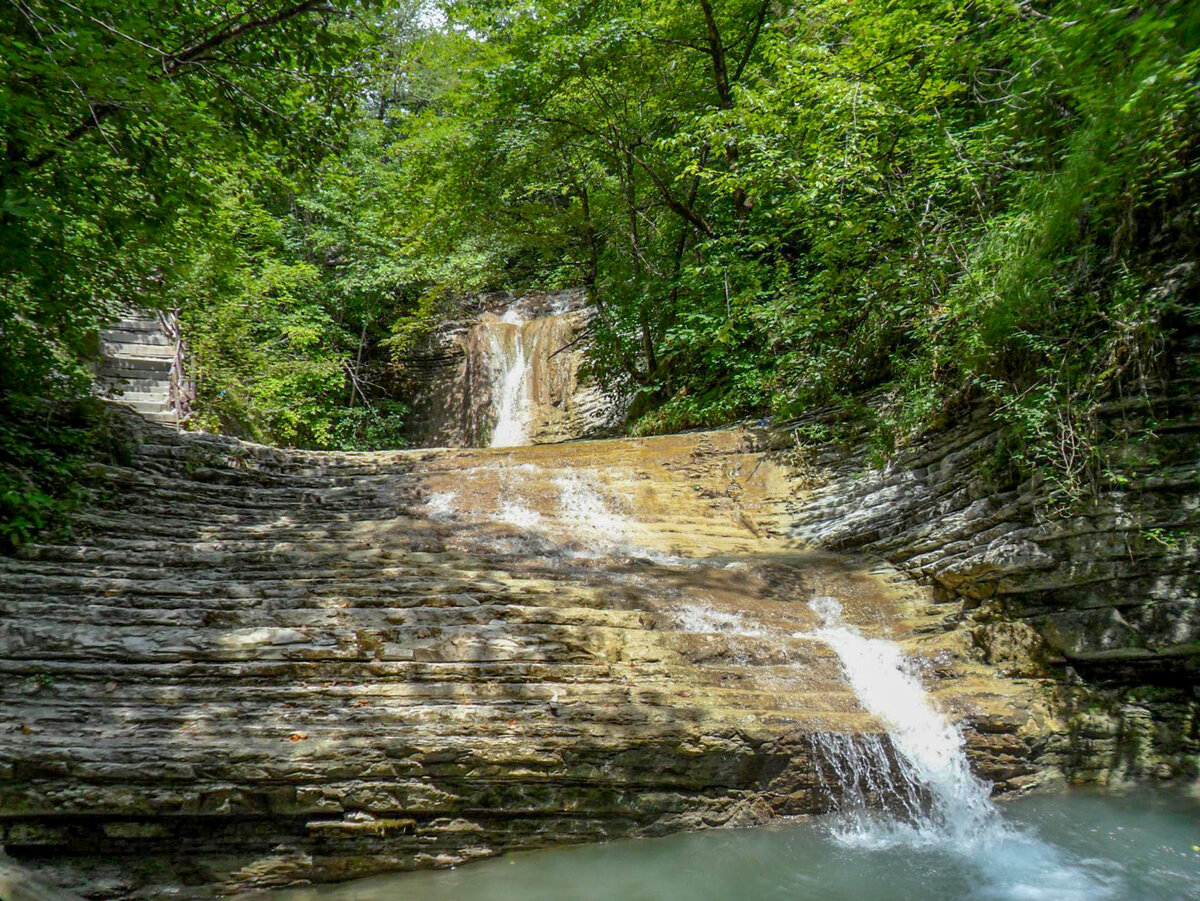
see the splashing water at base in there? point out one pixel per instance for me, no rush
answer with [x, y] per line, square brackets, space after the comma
[923, 774]
[1141, 842]
[930, 749]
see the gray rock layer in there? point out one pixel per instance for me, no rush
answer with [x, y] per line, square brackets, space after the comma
[1108, 588]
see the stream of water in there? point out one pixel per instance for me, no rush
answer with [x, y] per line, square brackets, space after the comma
[910, 821]
[510, 370]
[934, 804]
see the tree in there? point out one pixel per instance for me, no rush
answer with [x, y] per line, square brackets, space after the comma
[113, 116]
[118, 121]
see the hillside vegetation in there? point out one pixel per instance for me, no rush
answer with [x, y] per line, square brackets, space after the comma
[772, 206]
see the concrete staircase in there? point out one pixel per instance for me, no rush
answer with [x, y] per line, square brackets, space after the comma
[137, 354]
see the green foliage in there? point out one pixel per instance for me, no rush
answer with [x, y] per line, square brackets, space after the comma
[291, 310]
[775, 207]
[113, 116]
[44, 446]
[772, 207]
[119, 122]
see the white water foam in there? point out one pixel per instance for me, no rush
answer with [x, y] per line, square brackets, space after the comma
[929, 745]
[518, 515]
[701, 618]
[441, 505]
[587, 512]
[926, 777]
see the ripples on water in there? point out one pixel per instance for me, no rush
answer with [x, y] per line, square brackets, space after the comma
[1142, 846]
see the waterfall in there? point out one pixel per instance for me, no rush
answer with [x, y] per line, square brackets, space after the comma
[510, 376]
[921, 773]
[930, 777]
[511, 402]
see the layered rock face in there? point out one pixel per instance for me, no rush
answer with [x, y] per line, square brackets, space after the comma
[251, 667]
[1110, 587]
[514, 365]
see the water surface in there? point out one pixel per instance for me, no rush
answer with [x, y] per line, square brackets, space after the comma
[1140, 846]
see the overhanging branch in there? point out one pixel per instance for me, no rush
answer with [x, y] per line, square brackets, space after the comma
[174, 64]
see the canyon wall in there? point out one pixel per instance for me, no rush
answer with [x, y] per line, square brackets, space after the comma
[1102, 592]
[507, 356]
[251, 667]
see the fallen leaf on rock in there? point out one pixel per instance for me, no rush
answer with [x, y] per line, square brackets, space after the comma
[298, 736]
[25, 729]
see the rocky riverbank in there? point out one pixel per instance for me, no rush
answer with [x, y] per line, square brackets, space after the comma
[1102, 593]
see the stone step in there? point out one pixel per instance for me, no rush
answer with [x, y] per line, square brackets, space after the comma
[131, 395]
[119, 367]
[145, 383]
[137, 350]
[145, 406]
[136, 336]
[137, 324]
[165, 418]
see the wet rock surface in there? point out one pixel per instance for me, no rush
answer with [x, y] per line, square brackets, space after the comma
[456, 376]
[252, 667]
[1104, 592]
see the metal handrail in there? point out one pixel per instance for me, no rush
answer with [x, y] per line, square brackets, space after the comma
[180, 391]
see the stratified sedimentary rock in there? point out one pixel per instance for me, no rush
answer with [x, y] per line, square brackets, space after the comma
[250, 667]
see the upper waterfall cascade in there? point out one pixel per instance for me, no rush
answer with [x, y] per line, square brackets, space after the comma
[531, 363]
[509, 361]
[510, 374]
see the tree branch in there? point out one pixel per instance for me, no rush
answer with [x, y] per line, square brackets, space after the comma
[661, 186]
[758, 24]
[196, 51]
[174, 64]
[717, 52]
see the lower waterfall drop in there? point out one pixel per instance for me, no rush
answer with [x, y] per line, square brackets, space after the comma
[925, 777]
